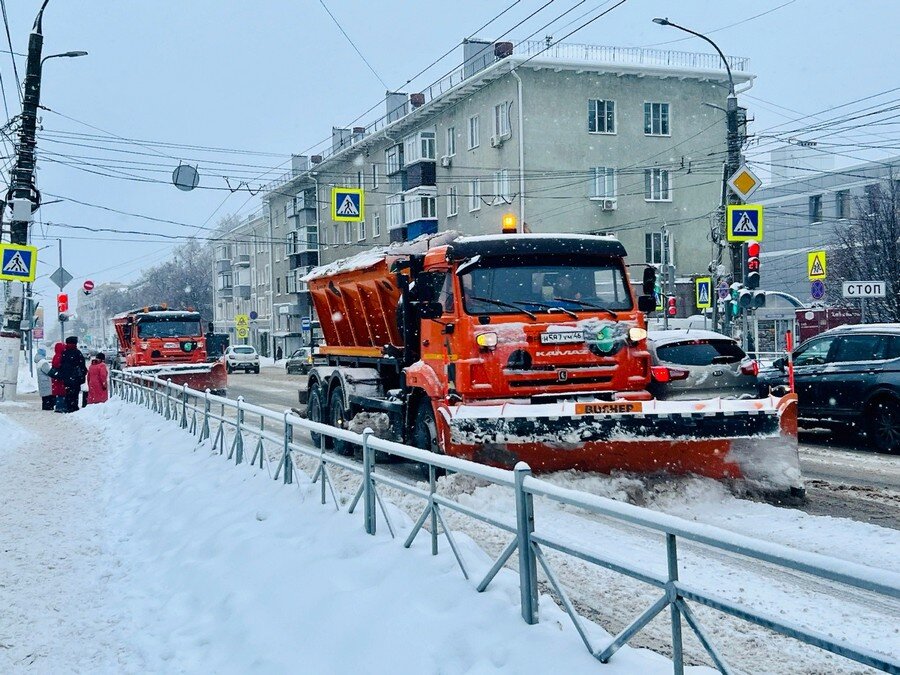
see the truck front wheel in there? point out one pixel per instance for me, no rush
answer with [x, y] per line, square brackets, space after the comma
[425, 436]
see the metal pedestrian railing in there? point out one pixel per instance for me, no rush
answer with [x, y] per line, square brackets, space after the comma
[234, 426]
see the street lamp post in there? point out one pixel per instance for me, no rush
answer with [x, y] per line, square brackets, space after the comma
[733, 144]
[23, 198]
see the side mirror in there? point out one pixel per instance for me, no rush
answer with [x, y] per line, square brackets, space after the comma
[649, 282]
[779, 363]
[647, 303]
[430, 310]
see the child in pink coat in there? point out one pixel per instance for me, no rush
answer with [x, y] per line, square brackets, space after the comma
[98, 380]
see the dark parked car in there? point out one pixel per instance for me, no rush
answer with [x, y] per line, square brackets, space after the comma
[847, 377]
[299, 362]
[695, 364]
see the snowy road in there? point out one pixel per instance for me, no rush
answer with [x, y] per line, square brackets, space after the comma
[842, 481]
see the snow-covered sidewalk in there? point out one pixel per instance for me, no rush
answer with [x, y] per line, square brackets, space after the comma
[127, 550]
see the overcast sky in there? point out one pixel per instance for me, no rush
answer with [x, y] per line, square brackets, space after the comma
[272, 76]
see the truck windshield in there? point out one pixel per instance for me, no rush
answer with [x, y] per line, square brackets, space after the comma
[564, 284]
[166, 329]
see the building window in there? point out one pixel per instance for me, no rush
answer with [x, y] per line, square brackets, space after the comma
[419, 146]
[290, 283]
[324, 237]
[376, 226]
[656, 119]
[653, 248]
[501, 120]
[604, 183]
[393, 159]
[362, 230]
[348, 233]
[601, 116]
[501, 186]
[474, 132]
[278, 285]
[452, 201]
[419, 205]
[474, 194]
[359, 179]
[842, 204]
[336, 234]
[374, 176]
[394, 205]
[815, 209]
[451, 141]
[657, 185]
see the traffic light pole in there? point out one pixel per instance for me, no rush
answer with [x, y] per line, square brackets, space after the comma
[23, 198]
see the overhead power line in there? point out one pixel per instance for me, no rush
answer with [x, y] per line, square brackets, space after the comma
[352, 44]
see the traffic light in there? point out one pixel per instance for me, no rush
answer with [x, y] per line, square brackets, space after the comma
[752, 279]
[62, 303]
[672, 306]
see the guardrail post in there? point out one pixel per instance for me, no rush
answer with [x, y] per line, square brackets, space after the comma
[368, 483]
[528, 588]
[204, 430]
[184, 405]
[239, 438]
[286, 462]
[168, 413]
[677, 645]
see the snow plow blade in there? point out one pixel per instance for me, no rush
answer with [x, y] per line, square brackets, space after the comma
[749, 440]
[199, 376]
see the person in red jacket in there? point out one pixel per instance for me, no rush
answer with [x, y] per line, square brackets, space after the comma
[98, 380]
[57, 388]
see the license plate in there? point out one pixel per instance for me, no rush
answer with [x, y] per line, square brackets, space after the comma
[608, 408]
[170, 345]
[562, 337]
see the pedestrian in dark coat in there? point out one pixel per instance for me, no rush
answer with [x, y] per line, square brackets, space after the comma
[98, 380]
[72, 371]
[57, 388]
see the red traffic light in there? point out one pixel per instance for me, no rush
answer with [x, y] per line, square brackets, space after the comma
[752, 279]
[62, 302]
[672, 306]
[753, 249]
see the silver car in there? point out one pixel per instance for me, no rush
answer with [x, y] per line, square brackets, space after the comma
[699, 364]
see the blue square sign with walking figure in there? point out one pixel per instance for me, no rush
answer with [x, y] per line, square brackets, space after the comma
[744, 222]
[17, 263]
[347, 204]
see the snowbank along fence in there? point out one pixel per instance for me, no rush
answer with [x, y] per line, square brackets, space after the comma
[213, 417]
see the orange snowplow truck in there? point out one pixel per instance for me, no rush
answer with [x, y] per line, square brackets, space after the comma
[168, 344]
[523, 347]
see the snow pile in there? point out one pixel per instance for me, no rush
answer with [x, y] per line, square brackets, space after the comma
[14, 434]
[131, 549]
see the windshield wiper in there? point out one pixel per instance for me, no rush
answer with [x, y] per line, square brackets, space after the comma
[550, 308]
[588, 304]
[500, 303]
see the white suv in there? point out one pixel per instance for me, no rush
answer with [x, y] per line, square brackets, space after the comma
[241, 357]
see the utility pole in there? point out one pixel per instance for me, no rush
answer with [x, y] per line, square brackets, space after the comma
[23, 199]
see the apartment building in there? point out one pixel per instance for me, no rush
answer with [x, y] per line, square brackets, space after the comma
[574, 138]
[96, 319]
[803, 207]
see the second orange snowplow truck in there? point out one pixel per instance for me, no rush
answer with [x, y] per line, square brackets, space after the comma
[523, 347]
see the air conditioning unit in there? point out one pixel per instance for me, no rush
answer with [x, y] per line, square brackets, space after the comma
[496, 141]
[608, 204]
[446, 161]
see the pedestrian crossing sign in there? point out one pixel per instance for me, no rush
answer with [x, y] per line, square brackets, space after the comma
[744, 222]
[347, 204]
[17, 263]
[703, 292]
[816, 265]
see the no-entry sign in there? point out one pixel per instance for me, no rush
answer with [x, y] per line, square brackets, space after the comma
[864, 289]
[88, 285]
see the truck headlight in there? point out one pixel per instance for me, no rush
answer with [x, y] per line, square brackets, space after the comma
[636, 334]
[486, 340]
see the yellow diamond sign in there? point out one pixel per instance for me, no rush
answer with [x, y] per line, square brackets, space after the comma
[744, 182]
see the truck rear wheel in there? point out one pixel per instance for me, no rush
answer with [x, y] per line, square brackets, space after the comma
[315, 411]
[338, 419]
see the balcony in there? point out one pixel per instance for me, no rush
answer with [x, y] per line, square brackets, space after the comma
[241, 260]
[242, 292]
[226, 293]
[223, 266]
[420, 174]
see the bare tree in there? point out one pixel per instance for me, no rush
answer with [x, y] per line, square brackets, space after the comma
[867, 248]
